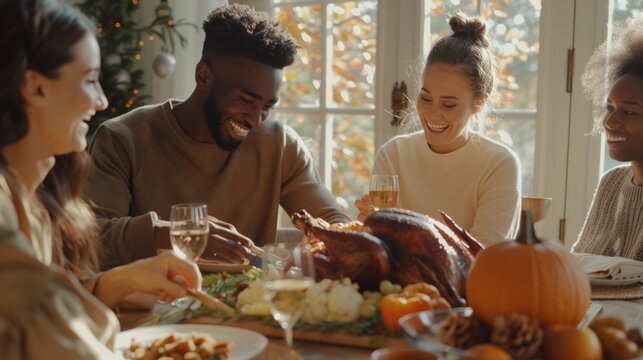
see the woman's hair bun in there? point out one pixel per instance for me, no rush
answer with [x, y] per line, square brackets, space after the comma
[472, 28]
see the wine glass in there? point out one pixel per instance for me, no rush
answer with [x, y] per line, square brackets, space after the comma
[384, 191]
[285, 285]
[189, 232]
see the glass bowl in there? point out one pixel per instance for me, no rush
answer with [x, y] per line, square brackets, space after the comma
[402, 353]
[422, 329]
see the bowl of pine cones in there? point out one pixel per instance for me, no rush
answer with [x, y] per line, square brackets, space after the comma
[458, 334]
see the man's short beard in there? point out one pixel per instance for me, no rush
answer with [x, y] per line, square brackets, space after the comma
[215, 123]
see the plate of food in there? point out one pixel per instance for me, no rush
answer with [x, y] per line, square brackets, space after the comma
[209, 341]
[607, 282]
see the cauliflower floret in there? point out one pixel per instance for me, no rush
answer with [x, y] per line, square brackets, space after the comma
[251, 295]
[332, 301]
[317, 301]
[256, 309]
[326, 300]
[343, 302]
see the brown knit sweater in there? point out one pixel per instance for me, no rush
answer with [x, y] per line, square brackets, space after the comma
[145, 163]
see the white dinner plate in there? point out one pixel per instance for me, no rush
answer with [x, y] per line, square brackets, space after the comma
[246, 344]
[603, 282]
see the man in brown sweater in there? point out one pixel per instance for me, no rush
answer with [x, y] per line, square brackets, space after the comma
[216, 147]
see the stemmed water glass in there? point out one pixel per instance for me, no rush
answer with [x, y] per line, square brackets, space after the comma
[384, 191]
[189, 232]
[285, 284]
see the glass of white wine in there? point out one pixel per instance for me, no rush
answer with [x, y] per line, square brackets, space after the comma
[384, 191]
[189, 232]
[285, 286]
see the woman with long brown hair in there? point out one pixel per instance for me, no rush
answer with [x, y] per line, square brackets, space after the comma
[49, 89]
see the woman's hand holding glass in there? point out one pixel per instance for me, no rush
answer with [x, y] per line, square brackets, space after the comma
[383, 193]
[285, 285]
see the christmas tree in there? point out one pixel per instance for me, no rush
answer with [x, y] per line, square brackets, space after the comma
[121, 40]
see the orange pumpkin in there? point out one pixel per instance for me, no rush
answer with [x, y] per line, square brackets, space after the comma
[530, 276]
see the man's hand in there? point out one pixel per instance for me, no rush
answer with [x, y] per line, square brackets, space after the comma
[226, 243]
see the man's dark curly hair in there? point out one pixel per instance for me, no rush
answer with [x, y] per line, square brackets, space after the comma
[239, 30]
[623, 54]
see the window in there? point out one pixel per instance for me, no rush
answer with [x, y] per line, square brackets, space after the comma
[328, 95]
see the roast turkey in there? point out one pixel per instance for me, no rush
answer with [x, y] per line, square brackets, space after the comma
[395, 244]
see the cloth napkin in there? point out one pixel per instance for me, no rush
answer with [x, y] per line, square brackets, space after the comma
[609, 267]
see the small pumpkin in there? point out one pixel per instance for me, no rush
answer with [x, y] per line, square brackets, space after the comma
[530, 276]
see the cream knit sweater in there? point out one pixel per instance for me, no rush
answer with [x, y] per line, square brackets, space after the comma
[614, 223]
[478, 185]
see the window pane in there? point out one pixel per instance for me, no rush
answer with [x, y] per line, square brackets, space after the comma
[352, 59]
[625, 9]
[303, 78]
[352, 157]
[308, 126]
[520, 136]
[514, 28]
[436, 18]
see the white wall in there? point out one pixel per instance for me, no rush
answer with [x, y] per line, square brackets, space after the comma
[181, 83]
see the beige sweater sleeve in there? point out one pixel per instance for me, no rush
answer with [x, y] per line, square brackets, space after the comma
[44, 312]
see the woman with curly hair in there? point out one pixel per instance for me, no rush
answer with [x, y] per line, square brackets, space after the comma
[613, 80]
[450, 166]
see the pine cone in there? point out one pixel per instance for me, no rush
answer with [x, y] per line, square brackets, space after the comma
[518, 334]
[462, 331]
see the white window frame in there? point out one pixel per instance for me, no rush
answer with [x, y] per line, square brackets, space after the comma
[397, 41]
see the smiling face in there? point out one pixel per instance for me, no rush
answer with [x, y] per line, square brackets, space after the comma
[71, 99]
[445, 105]
[242, 94]
[624, 119]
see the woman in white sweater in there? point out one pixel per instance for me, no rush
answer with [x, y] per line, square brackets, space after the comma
[449, 166]
[614, 224]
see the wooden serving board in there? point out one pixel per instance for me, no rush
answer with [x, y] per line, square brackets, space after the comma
[336, 338]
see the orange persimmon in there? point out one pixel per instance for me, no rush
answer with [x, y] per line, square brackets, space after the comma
[394, 306]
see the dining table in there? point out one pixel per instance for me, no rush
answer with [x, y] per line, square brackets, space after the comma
[130, 319]
[630, 311]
